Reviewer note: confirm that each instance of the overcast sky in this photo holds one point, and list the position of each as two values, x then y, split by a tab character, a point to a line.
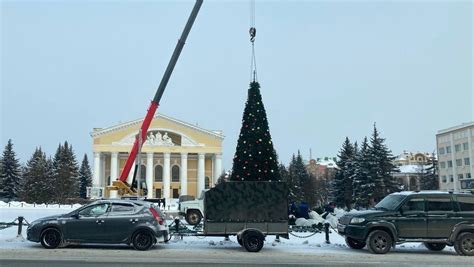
328	69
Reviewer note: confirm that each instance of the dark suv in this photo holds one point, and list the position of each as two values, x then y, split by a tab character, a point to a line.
438	219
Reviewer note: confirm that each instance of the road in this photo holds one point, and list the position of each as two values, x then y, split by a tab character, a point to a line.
219	256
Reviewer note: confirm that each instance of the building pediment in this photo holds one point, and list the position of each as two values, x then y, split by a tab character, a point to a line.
164	131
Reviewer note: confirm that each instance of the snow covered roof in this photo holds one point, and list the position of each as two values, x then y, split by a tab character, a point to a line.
413	168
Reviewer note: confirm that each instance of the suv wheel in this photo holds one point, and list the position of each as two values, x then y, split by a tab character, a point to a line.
51	238
354	244
193	217
435	246
464	244
379	242
142	240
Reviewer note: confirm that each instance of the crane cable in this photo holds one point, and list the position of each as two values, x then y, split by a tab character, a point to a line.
253	33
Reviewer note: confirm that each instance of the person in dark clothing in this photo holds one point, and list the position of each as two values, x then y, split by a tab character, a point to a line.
293	209
303	210
328	208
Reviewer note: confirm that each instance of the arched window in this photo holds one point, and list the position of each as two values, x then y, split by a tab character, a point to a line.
158	173
175	173
143	173
207	182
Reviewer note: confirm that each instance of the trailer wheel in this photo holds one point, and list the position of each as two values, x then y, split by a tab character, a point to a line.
253	240
193	217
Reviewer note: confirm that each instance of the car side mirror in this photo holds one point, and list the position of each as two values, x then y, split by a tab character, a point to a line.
75	216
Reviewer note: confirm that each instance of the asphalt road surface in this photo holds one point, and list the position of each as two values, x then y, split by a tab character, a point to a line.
219	256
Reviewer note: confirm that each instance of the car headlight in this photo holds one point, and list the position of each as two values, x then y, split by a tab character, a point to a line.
356	220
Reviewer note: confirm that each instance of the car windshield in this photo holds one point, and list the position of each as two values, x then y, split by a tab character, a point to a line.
390	202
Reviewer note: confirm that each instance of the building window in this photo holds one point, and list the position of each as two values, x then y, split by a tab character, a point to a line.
143	173
468	175
451	178
450	163
175	173
442	164
158	173
458	162
448	149
467	162
457	148
460	176
207	182
441	150
465	146
444	178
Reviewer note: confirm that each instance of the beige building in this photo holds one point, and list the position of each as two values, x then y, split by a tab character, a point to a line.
177	158
411	158
456	157
412	166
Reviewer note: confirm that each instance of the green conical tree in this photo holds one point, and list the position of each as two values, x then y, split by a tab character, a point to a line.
255	158
85	175
10	173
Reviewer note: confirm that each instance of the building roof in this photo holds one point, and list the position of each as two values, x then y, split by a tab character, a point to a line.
413	168
458	127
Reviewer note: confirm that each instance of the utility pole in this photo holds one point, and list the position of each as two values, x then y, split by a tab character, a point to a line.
139	161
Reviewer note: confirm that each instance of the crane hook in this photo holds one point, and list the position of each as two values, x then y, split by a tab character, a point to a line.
253	33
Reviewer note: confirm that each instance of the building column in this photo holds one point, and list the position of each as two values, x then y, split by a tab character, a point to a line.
217	167
183	173
166	175
113	167
103	179
96	177
200	174
471	153
149	174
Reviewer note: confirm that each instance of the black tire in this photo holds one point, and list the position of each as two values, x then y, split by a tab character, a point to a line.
464	244
239	240
193	217
355	244
379	242
51	238
143	240
434	246
253	241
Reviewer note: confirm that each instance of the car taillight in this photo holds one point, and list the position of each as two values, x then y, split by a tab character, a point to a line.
157	216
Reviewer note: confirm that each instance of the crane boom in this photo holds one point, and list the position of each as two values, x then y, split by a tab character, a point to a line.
159	93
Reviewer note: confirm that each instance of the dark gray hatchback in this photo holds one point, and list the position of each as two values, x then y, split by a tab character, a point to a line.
438	219
138	223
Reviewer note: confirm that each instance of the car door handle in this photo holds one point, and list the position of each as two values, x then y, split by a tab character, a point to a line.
99	221
133	220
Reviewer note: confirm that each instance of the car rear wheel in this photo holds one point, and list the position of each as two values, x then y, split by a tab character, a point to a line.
253	241
435	246
355	244
143	240
193	217
51	238
464	244
379	242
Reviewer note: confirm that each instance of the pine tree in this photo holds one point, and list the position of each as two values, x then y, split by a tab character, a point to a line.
429	178
382	166
255	158
362	182
301	185
293	189
36	184
342	184
66	174
10	173
85	175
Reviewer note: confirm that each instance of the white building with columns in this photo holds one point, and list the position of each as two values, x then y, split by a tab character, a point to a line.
177	158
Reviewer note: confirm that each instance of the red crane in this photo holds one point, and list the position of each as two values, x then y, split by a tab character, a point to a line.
121	182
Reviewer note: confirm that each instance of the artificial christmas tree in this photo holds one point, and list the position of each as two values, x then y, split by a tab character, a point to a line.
255	158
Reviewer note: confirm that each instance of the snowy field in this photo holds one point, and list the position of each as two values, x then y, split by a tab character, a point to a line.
313	244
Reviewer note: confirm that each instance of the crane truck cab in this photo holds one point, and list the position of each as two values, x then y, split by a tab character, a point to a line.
192	210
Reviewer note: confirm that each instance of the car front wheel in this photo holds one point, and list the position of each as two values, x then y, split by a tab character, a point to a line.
51	238
435	246
142	240
354	244
464	244
379	242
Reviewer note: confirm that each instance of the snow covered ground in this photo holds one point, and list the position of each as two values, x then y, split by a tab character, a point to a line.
314	244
